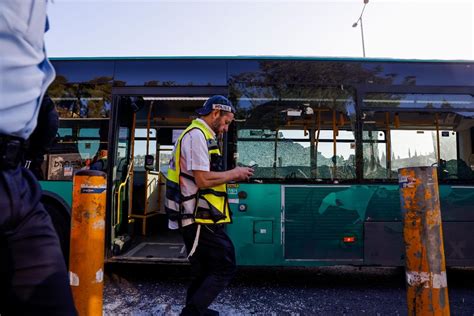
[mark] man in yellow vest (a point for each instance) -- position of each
(196, 203)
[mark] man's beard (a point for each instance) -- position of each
(215, 126)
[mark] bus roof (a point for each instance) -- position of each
(242, 57)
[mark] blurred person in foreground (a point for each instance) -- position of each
(196, 203)
(33, 275)
(42, 138)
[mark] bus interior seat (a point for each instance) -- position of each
(146, 186)
(458, 169)
(152, 196)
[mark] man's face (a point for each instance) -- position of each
(221, 122)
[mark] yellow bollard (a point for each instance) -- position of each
(427, 287)
(86, 258)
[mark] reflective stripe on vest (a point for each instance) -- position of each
(211, 205)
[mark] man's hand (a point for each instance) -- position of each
(242, 173)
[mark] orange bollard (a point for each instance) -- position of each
(86, 258)
(427, 287)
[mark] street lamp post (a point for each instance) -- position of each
(361, 26)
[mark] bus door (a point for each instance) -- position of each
(120, 153)
(157, 126)
(148, 179)
(144, 139)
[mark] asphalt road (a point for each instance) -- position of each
(160, 290)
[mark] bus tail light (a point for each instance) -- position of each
(349, 239)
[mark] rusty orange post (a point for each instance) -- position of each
(86, 258)
(427, 287)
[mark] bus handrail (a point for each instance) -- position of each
(118, 194)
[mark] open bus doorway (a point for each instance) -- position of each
(139, 221)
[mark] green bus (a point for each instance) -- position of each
(327, 136)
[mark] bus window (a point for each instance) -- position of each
(164, 158)
(84, 111)
(77, 143)
(121, 157)
(88, 143)
(140, 147)
(399, 136)
(374, 148)
(81, 101)
(303, 133)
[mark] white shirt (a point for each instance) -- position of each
(25, 72)
(194, 156)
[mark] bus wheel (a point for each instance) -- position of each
(62, 224)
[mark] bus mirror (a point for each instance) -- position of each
(149, 162)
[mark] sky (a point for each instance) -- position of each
(405, 29)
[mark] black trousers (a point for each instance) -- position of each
(213, 266)
(33, 275)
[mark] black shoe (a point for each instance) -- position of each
(189, 311)
(211, 312)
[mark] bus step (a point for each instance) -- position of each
(153, 251)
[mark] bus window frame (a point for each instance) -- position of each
(363, 90)
(351, 91)
(148, 140)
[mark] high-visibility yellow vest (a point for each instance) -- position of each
(211, 203)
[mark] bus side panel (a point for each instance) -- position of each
(383, 229)
(383, 244)
(457, 203)
(324, 222)
(256, 232)
(61, 188)
(458, 245)
(457, 212)
(316, 220)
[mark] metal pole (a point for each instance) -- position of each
(361, 26)
(427, 288)
(86, 258)
(362, 32)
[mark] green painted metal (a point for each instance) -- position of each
(316, 218)
(263, 204)
(325, 213)
(61, 188)
(263, 232)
